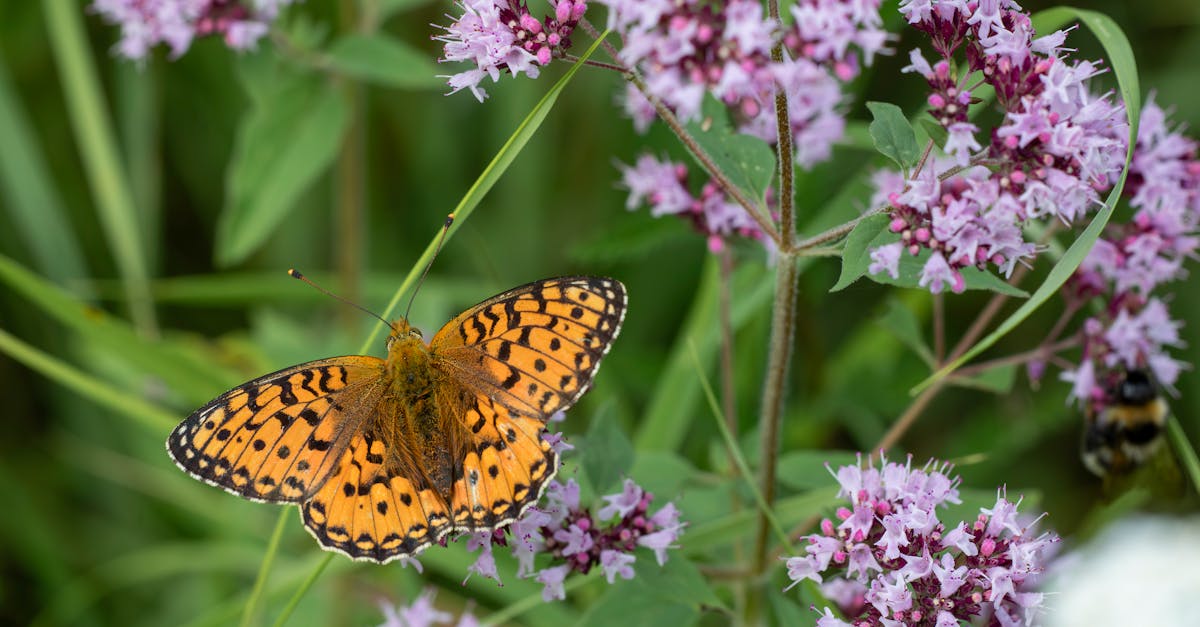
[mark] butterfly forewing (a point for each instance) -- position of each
(534, 348)
(275, 438)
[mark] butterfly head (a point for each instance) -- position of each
(402, 331)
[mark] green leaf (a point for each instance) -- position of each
(935, 131)
(661, 472)
(856, 256)
(607, 453)
(903, 324)
(893, 135)
(806, 469)
(748, 161)
(288, 138)
(667, 595)
(385, 61)
(1120, 56)
(786, 611)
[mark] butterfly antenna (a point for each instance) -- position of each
(441, 240)
(295, 274)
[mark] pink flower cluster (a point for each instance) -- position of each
(577, 540)
(499, 36)
(893, 562)
(688, 48)
(1057, 148)
(663, 186)
(147, 23)
(1130, 260)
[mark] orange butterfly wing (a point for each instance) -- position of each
(521, 356)
(370, 511)
(277, 438)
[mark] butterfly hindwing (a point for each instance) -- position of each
(534, 348)
(368, 511)
(505, 468)
(274, 438)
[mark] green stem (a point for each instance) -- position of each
(93, 130)
(783, 323)
(263, 570)
(301, 591)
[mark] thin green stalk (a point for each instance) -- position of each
(783, 323)
(1184, 451)
(101, 159)
(301, 591)
(735, 452)
(264, 569)
(154, 417)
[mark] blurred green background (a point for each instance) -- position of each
(98, 527)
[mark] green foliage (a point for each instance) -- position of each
(893, 135)
(748, 161)
(384, 61)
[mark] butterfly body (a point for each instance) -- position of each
(387, 456)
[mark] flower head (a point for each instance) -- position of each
(892, 559)
(1057, 147)
(176, 23)
(502, 36)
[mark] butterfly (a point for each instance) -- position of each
(388, 456)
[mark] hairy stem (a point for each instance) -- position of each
(783, 131)
(783, 322)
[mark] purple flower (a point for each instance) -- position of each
(552, 580)
(176, 23)
(485, 565)
(420, 613)
(901, 565)
(575, 540)
(688, 48)
(616, 563)
(663, 186)
(497, 37)
(620, 505)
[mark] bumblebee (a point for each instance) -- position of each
(1127, 430)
